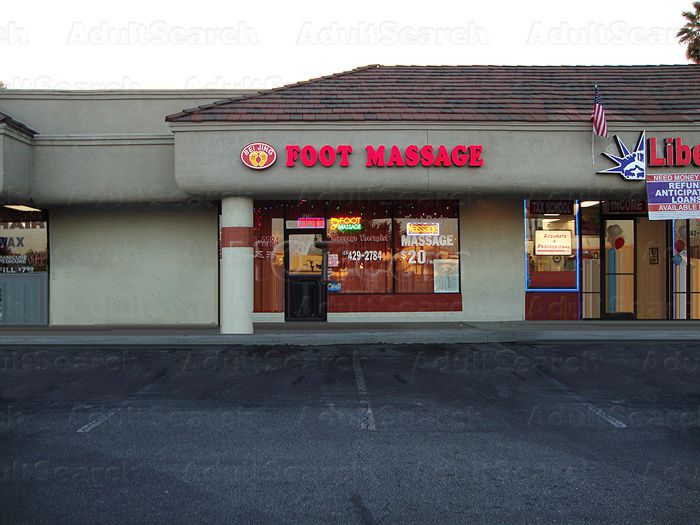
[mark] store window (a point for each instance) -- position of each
(620, 276)
(694, 267)
(590, 259)
(551, 239)
(305, 215)
(368, 247)
(359, 247)
(305, 254)
(268, 242)
(679, 269)
(685, 265)
(24, 265)
(23, 241)
(426, 247)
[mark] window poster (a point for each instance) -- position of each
(446, 276)
(553, 242)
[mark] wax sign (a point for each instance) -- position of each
(553, 242)
(673, 196)
(23, 247)
(258, 155)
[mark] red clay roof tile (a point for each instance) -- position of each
(473, 93)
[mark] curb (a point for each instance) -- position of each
(350, 338)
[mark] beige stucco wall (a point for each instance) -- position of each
(133, 266)
(491, 242)
(543, 160)
(102, 147)
(492, 262)
(15, 166)
(110, 171)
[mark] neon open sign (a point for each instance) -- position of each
(311, 222)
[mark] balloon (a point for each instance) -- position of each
(619, 243)
(677, 260)
(680, 245)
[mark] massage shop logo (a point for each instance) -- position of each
(258, 155)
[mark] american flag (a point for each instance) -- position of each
(600, 125)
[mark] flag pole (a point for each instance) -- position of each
(593, 136)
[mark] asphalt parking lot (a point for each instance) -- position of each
(469, 433)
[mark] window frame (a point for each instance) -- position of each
(577, 235)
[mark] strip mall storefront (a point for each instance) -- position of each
(607, 260)
(320, 258)
(384, 194)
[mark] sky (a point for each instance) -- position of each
(267, 43)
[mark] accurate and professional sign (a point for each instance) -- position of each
(553, 242)
(673, 196)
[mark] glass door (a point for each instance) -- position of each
(619, 268)
(305, 276)
(651, 269)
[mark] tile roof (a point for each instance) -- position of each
(16, 124)
(471, 93)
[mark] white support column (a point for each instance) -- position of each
(236, 293)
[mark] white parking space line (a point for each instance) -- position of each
(367, 417)
(95, 422)
(104, 417)
(590, 406)
(561, 386)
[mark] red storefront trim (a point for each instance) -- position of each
(236, 237)
(551, 306)
(399, 302)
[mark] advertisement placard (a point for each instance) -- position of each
(445, 276)
(673, 195)
(553, 242)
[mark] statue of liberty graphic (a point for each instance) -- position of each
(631, 165)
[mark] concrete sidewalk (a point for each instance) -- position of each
(317, 334)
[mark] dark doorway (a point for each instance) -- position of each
(305, 272)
